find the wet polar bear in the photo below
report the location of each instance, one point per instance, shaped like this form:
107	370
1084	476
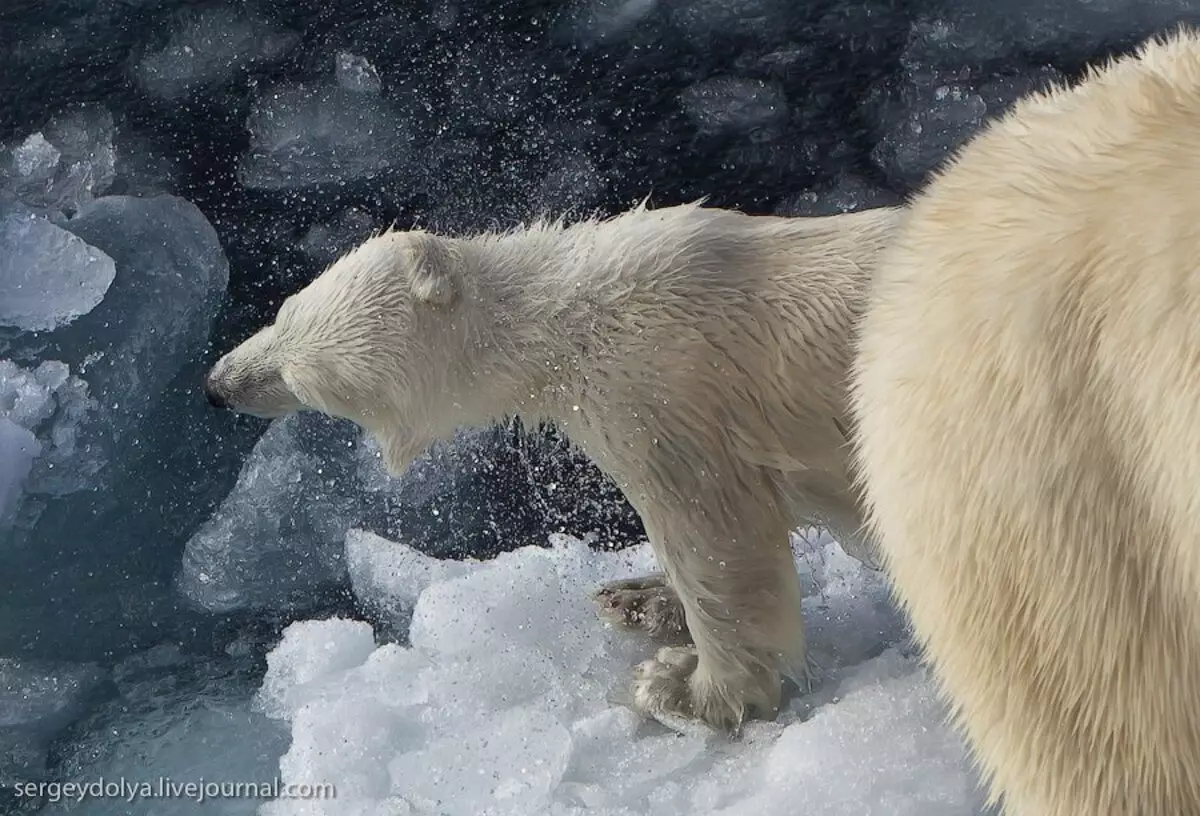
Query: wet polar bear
699	356
1027	393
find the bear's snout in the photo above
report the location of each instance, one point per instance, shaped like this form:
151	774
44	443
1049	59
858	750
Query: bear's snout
214	396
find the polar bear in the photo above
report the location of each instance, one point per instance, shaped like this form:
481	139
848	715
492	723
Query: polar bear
1027	398
698	355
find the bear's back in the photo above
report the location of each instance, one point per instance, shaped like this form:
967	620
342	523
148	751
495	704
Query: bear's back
1028	398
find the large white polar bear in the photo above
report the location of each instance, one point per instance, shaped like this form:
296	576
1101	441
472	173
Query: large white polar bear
1028	402
699	356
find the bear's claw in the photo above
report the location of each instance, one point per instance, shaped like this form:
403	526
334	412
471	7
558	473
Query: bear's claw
645	604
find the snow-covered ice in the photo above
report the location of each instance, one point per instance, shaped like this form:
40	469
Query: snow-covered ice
505	698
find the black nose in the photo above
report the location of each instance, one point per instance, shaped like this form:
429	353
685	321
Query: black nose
214	397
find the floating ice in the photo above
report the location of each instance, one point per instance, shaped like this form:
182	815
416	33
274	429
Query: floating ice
52	405
357	74
278	537
35	158
735	105
499	702
177	716
67	163
86	573
171	274
320	133
37	700
603	22
210	47
48	276
18	449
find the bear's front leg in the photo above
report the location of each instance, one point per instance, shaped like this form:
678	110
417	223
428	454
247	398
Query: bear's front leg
727	556
647	604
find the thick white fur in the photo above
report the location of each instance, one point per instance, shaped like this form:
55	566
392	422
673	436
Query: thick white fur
1028	404
699	356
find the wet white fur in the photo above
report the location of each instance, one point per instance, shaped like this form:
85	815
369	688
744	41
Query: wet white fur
1028	399
698	355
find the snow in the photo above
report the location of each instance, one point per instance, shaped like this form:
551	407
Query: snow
48	276
505	698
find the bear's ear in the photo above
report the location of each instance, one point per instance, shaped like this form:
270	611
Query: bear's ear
436	270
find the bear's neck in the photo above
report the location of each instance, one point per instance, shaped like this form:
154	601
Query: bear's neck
545	302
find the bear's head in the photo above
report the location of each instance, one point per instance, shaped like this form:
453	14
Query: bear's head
375	339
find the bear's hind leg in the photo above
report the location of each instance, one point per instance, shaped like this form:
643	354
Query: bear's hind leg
647	604
729	559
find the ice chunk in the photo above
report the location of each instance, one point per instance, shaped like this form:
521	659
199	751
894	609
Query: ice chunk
68	162
48	276
208	48
278	538
18	449
88	574
736	105
38	699
52	404
171	272
602	22
320	133
35	158
310	655
501	702
355	73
